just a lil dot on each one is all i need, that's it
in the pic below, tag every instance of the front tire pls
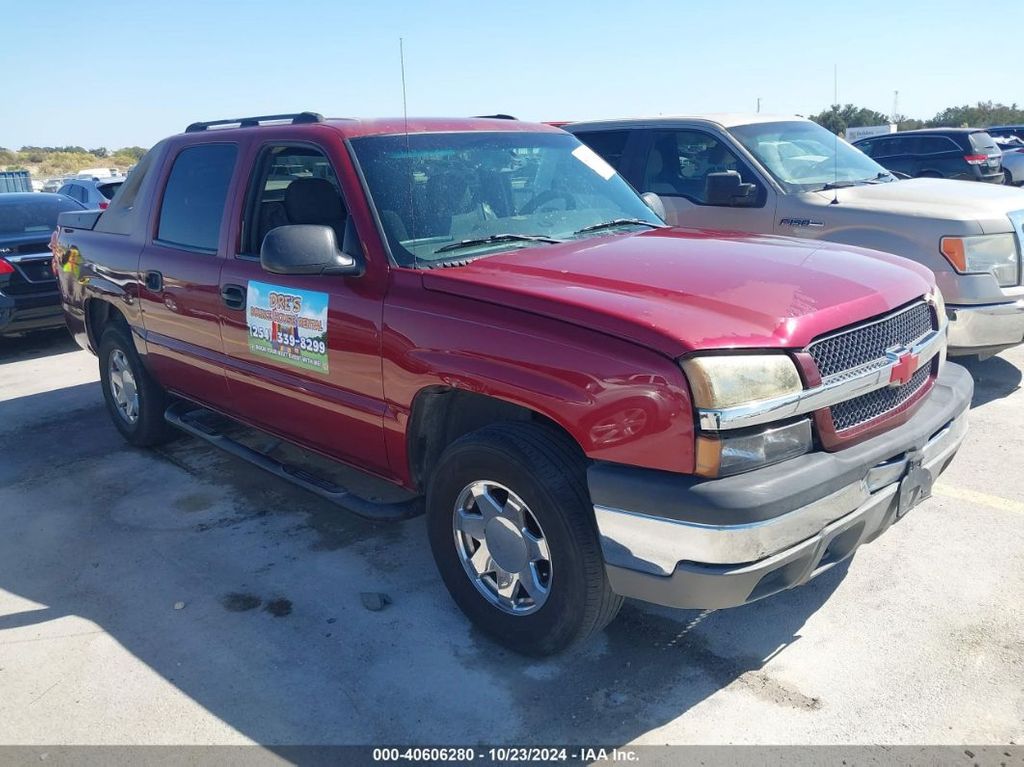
(512, 531)
(135, 401)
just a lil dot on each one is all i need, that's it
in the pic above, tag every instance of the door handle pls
(233, 296)
(154, 282)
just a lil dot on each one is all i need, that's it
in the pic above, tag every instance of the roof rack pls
(496, 117)
(251, 122)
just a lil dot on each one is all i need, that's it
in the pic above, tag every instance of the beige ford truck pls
(790, 176)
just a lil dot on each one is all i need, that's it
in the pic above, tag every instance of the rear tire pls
(533, 480)
(135, 401)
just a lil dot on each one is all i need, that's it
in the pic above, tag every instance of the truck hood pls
(680, 290)
(933, 198)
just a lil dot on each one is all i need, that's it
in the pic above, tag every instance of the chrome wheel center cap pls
(502, 547)
(506, 544)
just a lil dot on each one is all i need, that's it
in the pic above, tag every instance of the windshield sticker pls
(594, 161)
(288, 325)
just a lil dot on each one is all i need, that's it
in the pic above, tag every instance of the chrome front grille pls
(868, 406)
(868, 343)
(863, 348)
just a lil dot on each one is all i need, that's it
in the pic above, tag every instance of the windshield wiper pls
(837, 185)
(617, 222)
(846, 184)
(495, 238)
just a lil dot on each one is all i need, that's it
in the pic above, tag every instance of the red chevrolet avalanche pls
(587, 404)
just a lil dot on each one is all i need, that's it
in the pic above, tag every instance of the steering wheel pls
(542, 198)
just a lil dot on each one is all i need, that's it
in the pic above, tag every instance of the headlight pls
(725, 454)
(722, 381)
(994, 254)
(736, 379)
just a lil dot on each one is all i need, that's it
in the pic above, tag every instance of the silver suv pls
(790, 176)
(92, 193)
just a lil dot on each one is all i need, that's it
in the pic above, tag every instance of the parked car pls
(587, 404)
(92, 193)
(1013, 159)
(779, 175)
(965, 154)
(28, 290)
(53, 184)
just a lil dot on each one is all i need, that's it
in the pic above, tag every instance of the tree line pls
(51, 161)
(838, 118)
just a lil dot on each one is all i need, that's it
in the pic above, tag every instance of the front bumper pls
(986, 329)
(21, 313)
(708, 544)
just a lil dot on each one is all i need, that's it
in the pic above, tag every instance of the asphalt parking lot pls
(179, 596)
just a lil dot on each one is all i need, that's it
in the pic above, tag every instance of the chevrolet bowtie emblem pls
(905, 367)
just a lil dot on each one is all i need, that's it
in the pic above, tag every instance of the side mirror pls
(727, 189)
(654, 203)
(306, 249)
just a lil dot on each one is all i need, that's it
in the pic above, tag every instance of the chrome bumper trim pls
(990, 325)
(656, 545)
(870, 377)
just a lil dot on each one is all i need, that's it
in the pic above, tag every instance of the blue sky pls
(115, 73)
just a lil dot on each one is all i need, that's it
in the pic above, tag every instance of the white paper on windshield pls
(594, 161)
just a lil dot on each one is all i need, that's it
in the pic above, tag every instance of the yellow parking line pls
(973, 496)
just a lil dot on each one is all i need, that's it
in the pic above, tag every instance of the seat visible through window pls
(299, 186)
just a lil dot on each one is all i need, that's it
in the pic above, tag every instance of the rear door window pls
(194, 197)
(936, 145)
(890, 147)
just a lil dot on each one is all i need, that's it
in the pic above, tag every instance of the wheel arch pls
(98, 315)
(442, 414)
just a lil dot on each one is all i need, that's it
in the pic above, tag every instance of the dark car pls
(29, 299)
(968, 154)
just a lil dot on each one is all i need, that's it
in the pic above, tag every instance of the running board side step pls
(189, 418)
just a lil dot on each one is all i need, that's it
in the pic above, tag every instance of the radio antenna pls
(408, 149)
(835, 148)
(405, 109)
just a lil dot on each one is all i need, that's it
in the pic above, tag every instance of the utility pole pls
(759, 105)
(896, 108)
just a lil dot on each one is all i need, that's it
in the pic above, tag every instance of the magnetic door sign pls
(288, 325)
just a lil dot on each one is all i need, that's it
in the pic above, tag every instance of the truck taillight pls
(976, 159)
(104, 205)
(5, 267)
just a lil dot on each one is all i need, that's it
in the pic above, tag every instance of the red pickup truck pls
(587, 404)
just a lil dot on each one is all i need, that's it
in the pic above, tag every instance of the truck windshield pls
(444, 197)
(802, 156)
